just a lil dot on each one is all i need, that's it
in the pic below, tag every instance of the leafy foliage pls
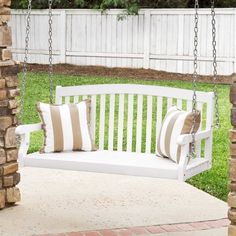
(131, 6)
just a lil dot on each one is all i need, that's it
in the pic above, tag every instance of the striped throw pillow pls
(176, 122)
(66, 127)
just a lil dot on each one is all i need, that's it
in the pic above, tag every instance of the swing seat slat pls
(114, 162)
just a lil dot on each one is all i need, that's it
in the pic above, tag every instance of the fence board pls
(160, 39)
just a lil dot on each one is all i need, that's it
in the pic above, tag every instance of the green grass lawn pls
(214, 181)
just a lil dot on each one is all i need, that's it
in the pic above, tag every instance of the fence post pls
(146, 46)
(180, 43)
(63, 36)
(234, 36)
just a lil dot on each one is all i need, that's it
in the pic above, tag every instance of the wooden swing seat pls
(129, 156)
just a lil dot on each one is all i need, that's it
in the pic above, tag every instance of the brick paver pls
(124, 232)
(139, 231)
(200, 225)
(107, 232)
(75, 234)
(170, 228)
(185, 227)
(154, 229)
(92, 233)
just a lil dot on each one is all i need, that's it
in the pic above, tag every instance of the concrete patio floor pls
(55, 201)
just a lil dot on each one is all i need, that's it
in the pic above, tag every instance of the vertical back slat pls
(179, 103)
(198, 144)
(67, 99)
(149, 125)
(111, 122)
(189, 105)
(120, 122)
(200, 108)
(210, 114)
(93, 115)
(76, 99)
(158, 118)
(169, 102)
(130, 122)
(58, 98)
(85, 97)
(139, 124)
(209, 126)
(102, 121)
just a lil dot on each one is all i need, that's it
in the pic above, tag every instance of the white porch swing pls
(128, 156)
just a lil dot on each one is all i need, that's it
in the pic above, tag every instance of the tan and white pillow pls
(66, 127)
(176, 122)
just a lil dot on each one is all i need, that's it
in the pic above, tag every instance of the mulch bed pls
(144, 74)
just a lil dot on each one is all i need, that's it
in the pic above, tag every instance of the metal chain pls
(24, 71)
(50, 69)
(194, 81)
(215, 89)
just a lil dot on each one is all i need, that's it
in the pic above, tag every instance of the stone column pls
(9, 177)
(232, 163)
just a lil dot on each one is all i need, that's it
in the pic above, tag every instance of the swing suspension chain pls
(215, 89)
(24, 76)
(194, 81)
(26, 52)
(50, 68)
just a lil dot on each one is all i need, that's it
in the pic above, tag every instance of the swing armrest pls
(24, 129)
(187, 138)
(184, 140)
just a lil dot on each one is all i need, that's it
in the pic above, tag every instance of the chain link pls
(194, 81)
(24, 71)
(215, 89)
(50, 69)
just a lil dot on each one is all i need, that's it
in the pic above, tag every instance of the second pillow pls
(176, 122)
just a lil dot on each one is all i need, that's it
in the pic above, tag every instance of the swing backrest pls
(128, 117)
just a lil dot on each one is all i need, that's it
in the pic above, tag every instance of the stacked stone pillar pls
(232, 163)
(9, 177)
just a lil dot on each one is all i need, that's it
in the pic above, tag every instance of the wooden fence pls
(157, 38)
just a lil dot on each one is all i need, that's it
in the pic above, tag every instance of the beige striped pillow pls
(66, 127)
(176, 122)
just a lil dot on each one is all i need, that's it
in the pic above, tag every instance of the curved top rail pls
(151, 90)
